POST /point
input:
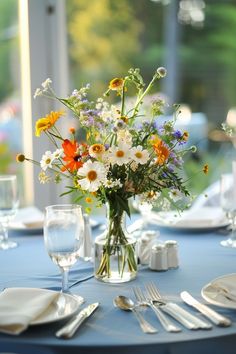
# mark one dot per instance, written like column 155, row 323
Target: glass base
column 6, row 245
column 229, row 243
column 116, row 278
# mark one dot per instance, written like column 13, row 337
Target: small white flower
column 47, row 160
column 43, row 178
column 109, row 183
column 38, row 92
column 120, row 154
column 133, row 166
column 46, row 83
column 94, row 174
column 58, row 153
column 139, row 155
column 175, row 195
column 124, row 136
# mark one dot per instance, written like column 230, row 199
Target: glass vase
column 115, row 257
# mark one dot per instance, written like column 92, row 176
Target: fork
column 145, row 300
column 184, row 317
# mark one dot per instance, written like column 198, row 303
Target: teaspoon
column 126, row 304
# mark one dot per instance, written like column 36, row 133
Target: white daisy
column 139, row 155
column 94, row 174
column 120, row 154
column 58, row 153
column 175, row 195
column 110, row 183
column 47, row 160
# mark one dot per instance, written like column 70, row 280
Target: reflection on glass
column 9, row 203
column 228, row 204
column 63, row 231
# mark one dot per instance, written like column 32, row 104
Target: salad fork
column 184, row 317
column 145, row 300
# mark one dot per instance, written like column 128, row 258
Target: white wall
column 43, row 54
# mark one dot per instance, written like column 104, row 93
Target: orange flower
column 161, row 151
column 74, row 154
column 116, row 84
column 47, row 122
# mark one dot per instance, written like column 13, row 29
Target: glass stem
column 233, row 232
column 5, row 232
column 65, row 283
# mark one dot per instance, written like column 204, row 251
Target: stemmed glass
column 144, row 209
column 228, row 204
column 63, row 232
column 9, row 202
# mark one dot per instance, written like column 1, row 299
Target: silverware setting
column 177, row 312
column 212, row 315
column 69, row 329
column 144, row 300
column 224, row 291
column 126, row 304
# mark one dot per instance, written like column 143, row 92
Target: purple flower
column 177, row 134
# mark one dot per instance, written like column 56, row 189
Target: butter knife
column 212, row 315
column 71, row 327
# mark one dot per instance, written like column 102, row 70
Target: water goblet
column 144, row 208
column 9, row 202
column 228, row 204
column 63, row 232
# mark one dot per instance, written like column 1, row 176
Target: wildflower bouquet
column 124, row 155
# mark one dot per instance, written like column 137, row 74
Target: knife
column 212, row 315
column 70, row 328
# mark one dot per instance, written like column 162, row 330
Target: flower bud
column 161, row 71
column 20, row 158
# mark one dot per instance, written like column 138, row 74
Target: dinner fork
column 145, row 300
column 184, row 317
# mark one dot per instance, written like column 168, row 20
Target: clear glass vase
column 115, row 257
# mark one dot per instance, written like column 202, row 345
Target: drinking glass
column 9, row 202
column 63, row 232
column 228, row 204
column 144, row 209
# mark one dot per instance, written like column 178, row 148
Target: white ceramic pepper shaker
column 172, row 253
column 145, row 243
column 158, row 258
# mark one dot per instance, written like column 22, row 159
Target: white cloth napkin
column 27, row 218
column 20, row 306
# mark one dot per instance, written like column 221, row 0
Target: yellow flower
column 47, row 122
column 88, row 200
column 205, row 169
column 96, row 150
column 116, row 84
column 185, row 135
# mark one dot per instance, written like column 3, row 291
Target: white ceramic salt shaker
column 86, row 248
column 158, row 258
column 145, row 243
column 172, row 253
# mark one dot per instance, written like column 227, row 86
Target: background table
column 111, row 330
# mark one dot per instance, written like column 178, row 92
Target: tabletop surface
column 202, row 259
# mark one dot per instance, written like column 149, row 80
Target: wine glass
column 228, row 204
column 9, row 202
column 63, row 232
column 144, row 208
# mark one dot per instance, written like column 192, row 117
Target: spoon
column 126, row 304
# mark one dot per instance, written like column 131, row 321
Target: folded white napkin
column 27, row 218
column 202, row 217
column 20, row 306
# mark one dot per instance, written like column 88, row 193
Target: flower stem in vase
column 115, row 259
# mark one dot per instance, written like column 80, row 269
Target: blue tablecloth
column 111, row 330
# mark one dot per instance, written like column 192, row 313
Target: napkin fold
column 20, row 306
